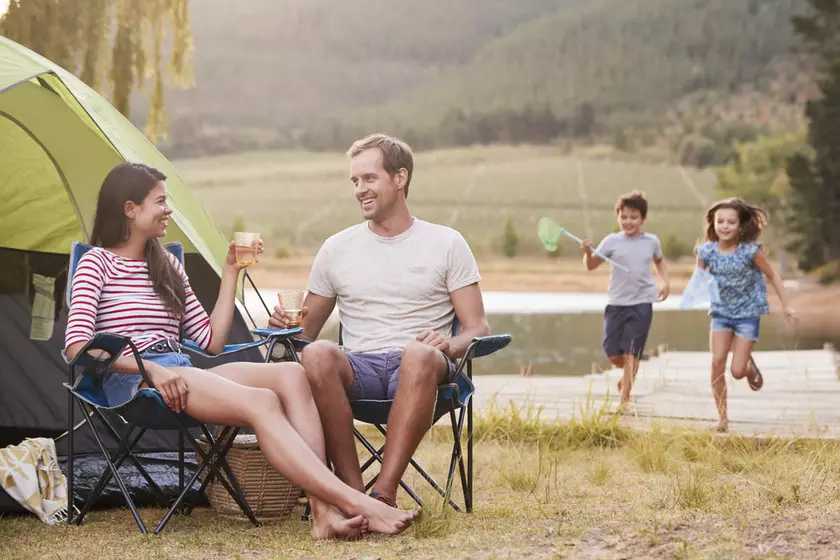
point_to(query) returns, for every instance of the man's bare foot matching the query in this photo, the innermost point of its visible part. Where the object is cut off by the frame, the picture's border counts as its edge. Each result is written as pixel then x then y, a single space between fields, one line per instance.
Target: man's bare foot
pixel 722 427
pixel 329 523
pixel 383 518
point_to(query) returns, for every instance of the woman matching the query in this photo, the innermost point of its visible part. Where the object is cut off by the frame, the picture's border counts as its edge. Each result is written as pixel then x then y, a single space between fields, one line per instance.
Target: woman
pixel 130 285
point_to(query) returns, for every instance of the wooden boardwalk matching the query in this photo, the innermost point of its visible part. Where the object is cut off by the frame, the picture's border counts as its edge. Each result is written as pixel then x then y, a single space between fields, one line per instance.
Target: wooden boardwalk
pixel 800 397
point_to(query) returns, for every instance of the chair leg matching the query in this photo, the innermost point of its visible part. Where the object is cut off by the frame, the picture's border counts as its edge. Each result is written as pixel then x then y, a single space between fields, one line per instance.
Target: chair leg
pixel 377 455
pixel 71 434
pixel 457 453
pixel 119 480
pixel 124 450
pixel 468 499
pixel 181 466
pixel 213 459
pixel 159 493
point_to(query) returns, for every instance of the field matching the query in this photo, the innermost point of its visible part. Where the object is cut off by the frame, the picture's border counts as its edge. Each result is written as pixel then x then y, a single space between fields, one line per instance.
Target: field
pixel 588 488
pixel 297 199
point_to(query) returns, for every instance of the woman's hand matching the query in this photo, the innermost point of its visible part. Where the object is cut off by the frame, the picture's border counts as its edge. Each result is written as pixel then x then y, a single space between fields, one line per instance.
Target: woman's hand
pixel 171 386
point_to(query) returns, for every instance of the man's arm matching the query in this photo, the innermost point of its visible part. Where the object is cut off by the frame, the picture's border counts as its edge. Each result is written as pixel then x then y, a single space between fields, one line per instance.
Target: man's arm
pixel 469 308
pixel 318 310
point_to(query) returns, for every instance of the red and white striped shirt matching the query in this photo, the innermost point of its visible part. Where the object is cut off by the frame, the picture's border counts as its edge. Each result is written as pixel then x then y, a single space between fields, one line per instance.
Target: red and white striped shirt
pixel 115 294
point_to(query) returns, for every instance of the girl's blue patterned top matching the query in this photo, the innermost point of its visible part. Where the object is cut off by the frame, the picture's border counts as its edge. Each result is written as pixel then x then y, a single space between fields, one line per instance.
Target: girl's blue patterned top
pixel 743 290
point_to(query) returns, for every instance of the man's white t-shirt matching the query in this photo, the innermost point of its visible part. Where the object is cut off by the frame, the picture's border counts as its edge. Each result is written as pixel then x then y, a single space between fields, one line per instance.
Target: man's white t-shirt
pixel 390 289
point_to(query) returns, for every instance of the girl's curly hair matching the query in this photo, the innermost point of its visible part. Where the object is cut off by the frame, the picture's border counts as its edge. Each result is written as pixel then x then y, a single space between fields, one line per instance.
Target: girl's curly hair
pixel 752 219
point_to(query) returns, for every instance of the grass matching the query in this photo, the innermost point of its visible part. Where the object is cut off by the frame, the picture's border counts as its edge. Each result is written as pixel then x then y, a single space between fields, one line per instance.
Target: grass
pixel 585 487
pixel 300 198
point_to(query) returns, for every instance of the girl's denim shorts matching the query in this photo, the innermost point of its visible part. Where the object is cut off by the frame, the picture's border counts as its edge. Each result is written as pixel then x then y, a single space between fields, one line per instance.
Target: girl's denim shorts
pixel 746 328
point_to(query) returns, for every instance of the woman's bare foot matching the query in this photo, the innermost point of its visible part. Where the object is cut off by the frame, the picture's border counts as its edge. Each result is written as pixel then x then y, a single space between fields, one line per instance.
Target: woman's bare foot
pixel 722 427
pixel 383 518
pixel 329 523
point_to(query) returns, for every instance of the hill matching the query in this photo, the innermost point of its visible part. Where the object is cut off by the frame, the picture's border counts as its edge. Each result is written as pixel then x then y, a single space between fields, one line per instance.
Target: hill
pixel 316 73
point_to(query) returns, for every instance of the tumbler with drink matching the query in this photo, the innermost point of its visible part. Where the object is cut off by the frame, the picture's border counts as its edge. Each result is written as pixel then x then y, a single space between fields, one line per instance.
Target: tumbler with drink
pixel 246 248
pixel 292 302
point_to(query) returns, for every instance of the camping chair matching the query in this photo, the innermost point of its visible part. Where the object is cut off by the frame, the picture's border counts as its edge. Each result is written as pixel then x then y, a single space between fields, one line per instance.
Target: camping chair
pixel 452 398
pixel 147 411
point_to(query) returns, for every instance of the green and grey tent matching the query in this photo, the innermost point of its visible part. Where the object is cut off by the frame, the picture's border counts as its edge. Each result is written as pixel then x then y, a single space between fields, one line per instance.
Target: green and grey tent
pixel 58 140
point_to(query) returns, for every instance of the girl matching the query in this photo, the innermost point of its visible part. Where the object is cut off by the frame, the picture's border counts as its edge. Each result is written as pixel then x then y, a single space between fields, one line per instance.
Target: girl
pixel 130 285
pixel 733 255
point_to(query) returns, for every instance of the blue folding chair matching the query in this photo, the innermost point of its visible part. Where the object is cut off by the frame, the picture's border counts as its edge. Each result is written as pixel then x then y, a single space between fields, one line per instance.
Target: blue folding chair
pixel 145 411
pixel 452 398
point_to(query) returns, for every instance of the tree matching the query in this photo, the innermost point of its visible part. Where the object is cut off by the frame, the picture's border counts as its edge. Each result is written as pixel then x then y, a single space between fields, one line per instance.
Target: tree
pixel 80 34
pixel 758 171
pixel 815 181
pixel 510 239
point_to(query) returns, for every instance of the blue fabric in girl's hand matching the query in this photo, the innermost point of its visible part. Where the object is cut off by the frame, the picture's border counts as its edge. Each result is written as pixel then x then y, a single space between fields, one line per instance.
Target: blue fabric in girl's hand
pixel 701 290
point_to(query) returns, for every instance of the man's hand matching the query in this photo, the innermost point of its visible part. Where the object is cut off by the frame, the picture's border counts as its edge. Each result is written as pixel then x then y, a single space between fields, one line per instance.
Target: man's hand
pixel 586 245
pixel 172 388
pixel 435 340
pixel 280 319
pixel 664 292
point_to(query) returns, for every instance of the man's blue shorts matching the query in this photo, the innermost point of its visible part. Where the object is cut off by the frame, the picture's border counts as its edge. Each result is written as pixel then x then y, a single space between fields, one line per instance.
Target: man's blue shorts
pixel 375 376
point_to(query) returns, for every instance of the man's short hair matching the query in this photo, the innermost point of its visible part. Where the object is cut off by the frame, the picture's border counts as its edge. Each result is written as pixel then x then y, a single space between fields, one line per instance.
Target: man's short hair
pixel 635 200
pixel 396 154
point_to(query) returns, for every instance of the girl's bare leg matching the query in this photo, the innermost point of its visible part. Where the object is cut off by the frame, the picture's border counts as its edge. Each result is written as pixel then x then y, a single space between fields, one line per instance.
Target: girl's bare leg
pixel 288 381
pixel 720 341
pixel 741 352
pixel 214 399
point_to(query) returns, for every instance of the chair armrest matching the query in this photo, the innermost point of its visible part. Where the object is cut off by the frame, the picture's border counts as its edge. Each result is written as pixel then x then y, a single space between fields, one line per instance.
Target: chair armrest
pixel 486 345
pixel 114 345
pixel 279 333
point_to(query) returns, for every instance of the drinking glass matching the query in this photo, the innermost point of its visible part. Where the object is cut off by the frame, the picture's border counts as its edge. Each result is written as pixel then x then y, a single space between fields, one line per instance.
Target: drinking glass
pixel 246 247
pixel 292 301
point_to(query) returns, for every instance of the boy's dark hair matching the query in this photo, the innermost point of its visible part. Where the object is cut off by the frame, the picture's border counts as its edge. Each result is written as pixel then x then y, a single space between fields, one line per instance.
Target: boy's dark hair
pixel 635 200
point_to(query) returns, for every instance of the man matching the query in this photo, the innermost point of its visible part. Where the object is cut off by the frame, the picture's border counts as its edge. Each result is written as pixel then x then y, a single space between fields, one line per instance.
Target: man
pixel 399 283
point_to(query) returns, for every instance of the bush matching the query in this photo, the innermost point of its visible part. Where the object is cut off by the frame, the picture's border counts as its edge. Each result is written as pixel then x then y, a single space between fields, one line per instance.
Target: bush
pixel 283 250
pixel 829 273
pixel 238 225
pixel 510 240
pixel 674 248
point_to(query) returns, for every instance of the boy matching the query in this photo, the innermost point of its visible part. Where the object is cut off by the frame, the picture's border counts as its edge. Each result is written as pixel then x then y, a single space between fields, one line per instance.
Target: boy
pixel 629 311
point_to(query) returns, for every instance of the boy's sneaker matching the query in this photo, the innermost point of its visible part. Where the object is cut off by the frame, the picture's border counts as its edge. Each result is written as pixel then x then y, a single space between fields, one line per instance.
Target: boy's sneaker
pixel 756 380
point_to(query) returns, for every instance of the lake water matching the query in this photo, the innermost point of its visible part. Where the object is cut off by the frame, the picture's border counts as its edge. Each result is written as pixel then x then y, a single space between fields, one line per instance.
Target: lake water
pixel 560 333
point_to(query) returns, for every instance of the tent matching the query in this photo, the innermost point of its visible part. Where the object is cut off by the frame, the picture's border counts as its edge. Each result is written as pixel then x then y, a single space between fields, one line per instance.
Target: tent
pixel 58 140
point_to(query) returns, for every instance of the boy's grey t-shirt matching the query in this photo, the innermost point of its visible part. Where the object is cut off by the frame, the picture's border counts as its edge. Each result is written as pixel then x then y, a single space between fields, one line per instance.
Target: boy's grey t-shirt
pixel 391 289
pixel 635 253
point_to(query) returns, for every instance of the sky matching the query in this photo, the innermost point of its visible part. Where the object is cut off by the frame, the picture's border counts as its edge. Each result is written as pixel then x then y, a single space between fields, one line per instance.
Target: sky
pixel 4 5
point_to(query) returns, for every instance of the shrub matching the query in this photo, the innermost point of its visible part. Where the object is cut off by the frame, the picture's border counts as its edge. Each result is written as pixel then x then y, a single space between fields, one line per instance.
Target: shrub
pixel 829 273
pixel 510 240
pixel 674 248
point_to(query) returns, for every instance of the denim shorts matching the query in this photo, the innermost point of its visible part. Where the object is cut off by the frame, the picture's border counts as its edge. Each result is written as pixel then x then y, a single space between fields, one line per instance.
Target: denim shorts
pixel 375 376
pixel 746 328
pixel 120 388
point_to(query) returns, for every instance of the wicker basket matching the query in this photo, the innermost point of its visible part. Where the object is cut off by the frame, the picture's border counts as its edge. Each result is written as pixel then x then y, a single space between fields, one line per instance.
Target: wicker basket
pixel 270 495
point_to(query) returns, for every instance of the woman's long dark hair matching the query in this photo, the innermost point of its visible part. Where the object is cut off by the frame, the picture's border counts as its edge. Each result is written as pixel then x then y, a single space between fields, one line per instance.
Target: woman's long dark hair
pixel 134 181
pixel 751 219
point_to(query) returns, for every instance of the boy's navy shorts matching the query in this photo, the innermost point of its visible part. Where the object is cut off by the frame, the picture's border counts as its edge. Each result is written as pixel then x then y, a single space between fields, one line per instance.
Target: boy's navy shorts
pixel 626 328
